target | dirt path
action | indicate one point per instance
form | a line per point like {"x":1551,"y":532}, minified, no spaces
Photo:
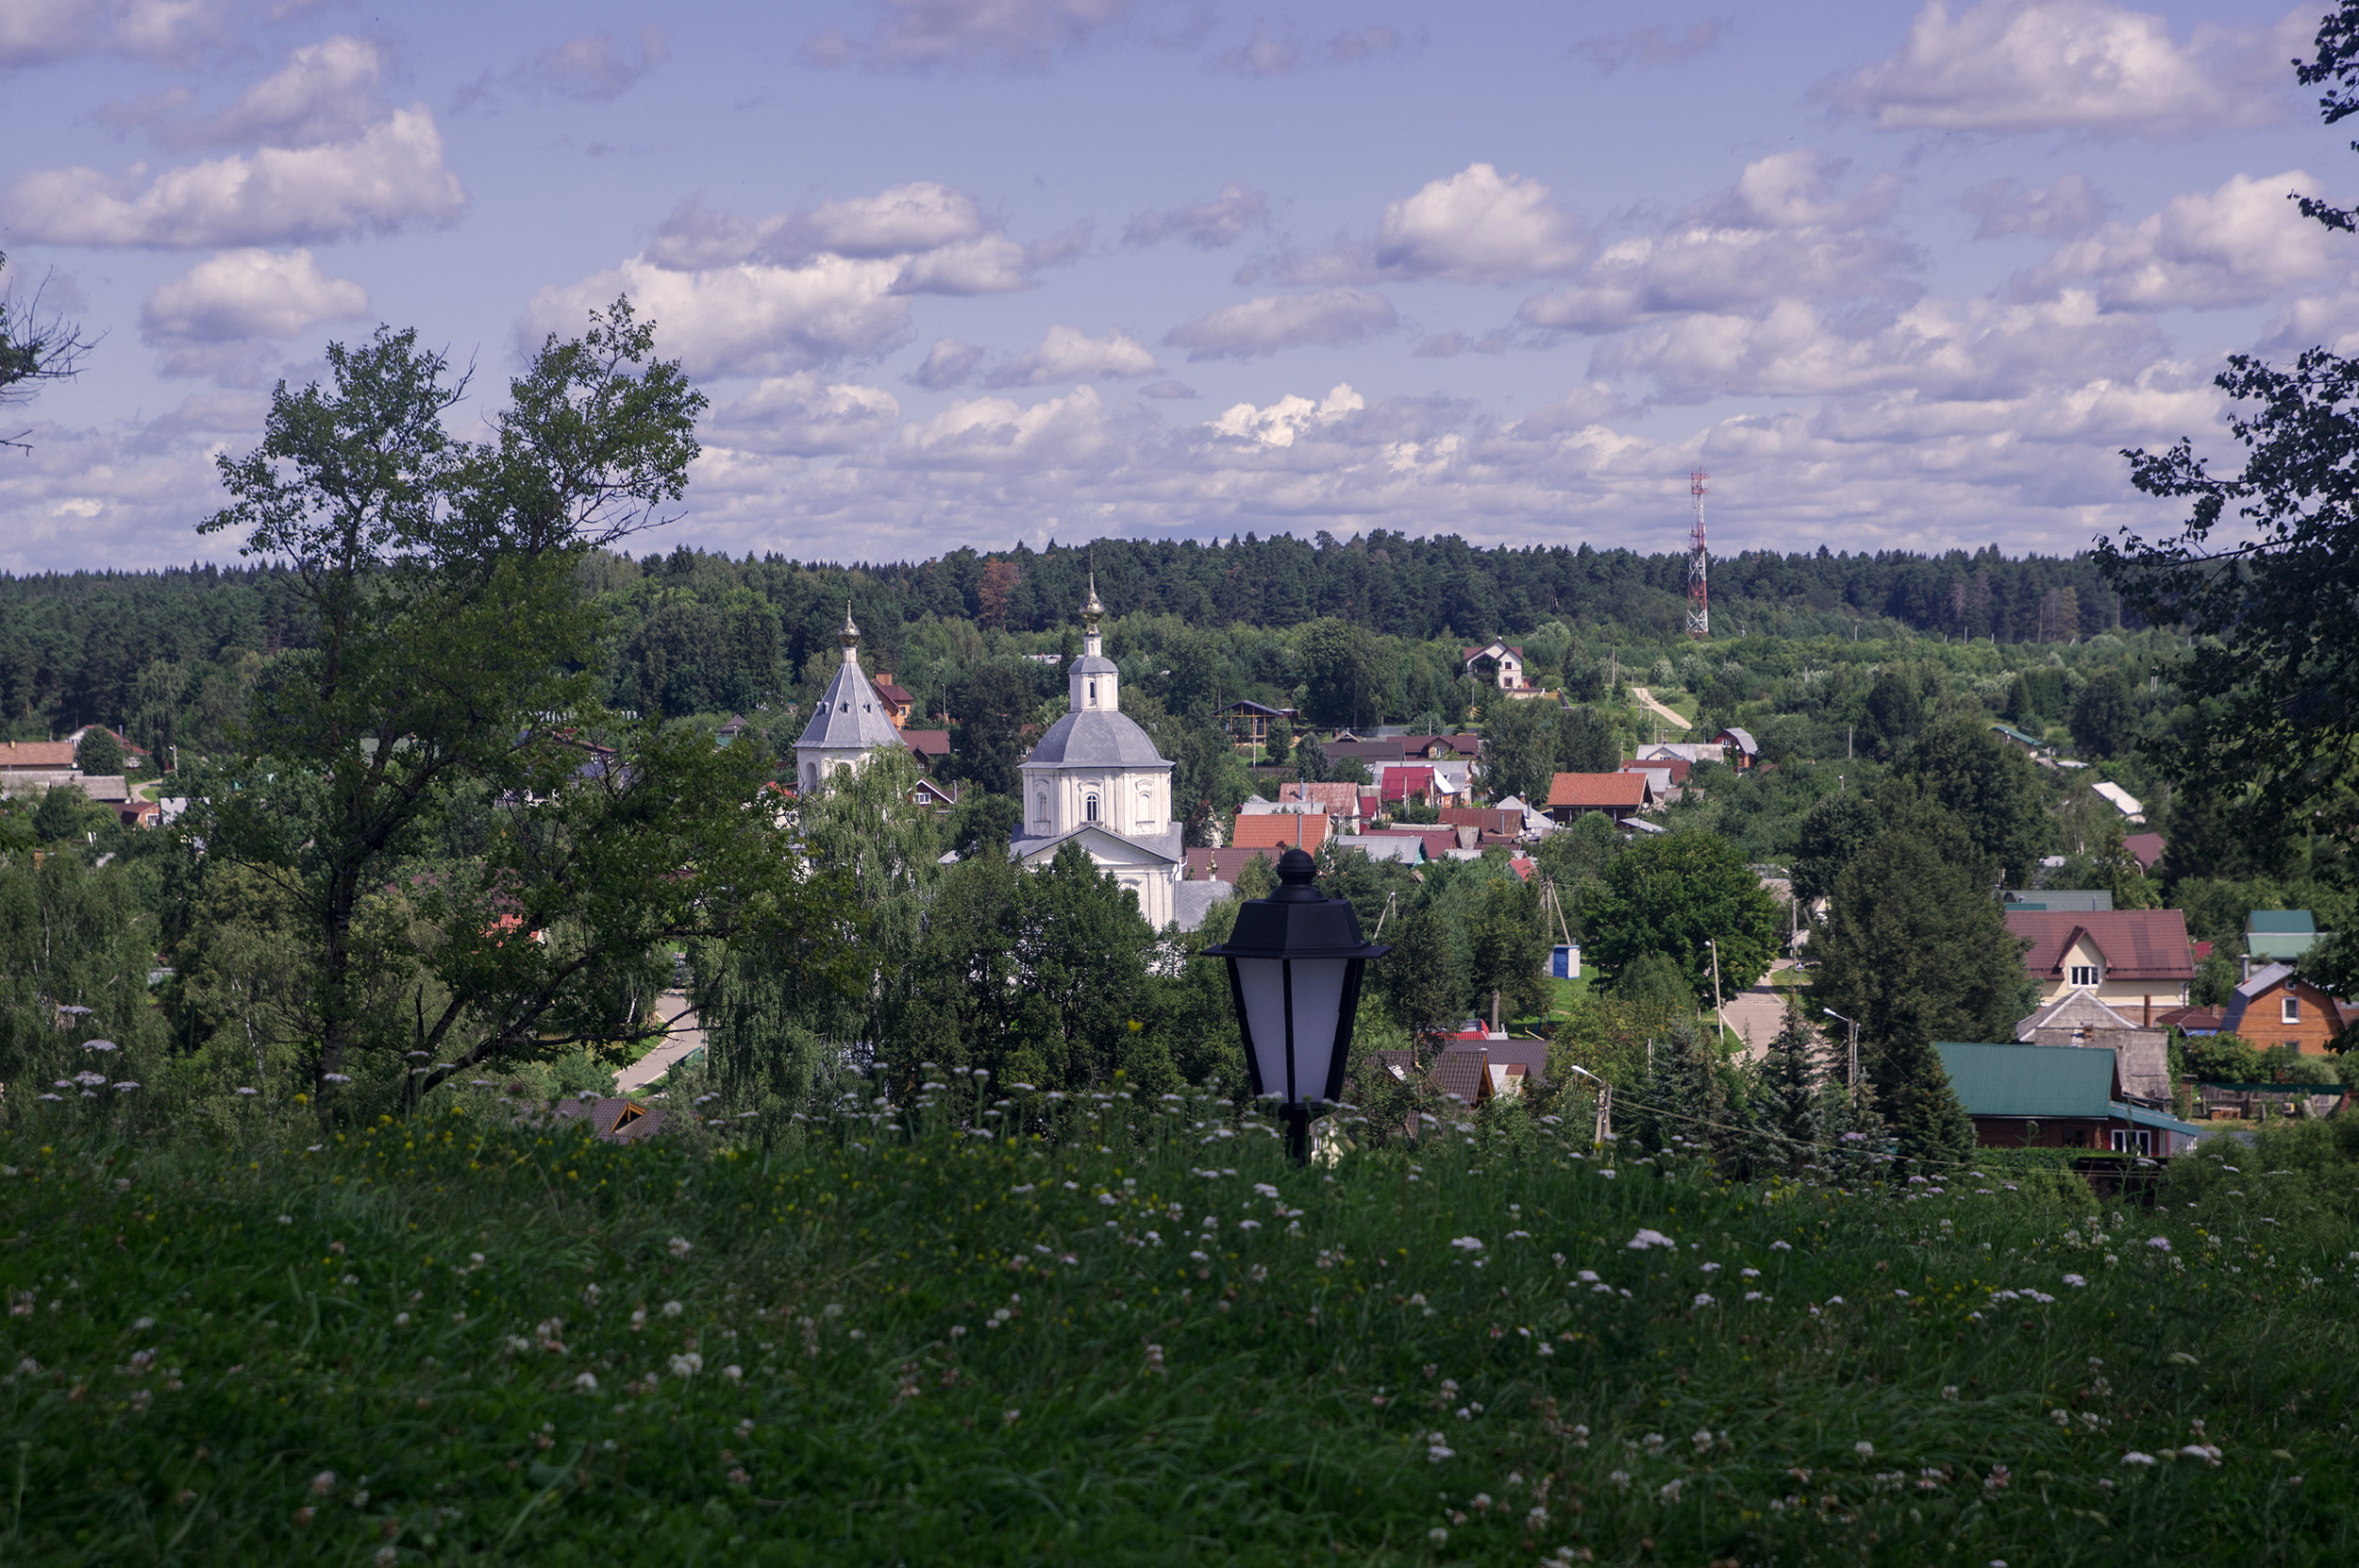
{"x":1646,"y":699}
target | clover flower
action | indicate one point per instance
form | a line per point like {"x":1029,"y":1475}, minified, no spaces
{"x":2160,"y":1243}
{"x":679,"y":1246}
{"x":1645,"y":1238}
{"x":1467,"y":1244}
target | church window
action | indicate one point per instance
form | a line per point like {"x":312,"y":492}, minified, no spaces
{"x":1093,"y":694}
{"x":1040,"y":807}
{"x":811,"y":776}
{"x":1089,"y":809}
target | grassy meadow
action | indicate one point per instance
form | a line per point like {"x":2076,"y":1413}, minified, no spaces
{"x":1137,"y":1333}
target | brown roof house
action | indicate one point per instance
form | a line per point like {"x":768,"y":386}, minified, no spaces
{"x":2276,"y":1007}
{"x":2137,"y":961}
{"x":1619,"y":796}
{"x":35,"y":757}
{"x":2141,"y":1054}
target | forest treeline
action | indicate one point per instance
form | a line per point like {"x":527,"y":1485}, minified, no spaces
{"x":167,"y":655}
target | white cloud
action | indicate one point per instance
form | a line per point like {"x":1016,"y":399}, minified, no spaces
{"x":1475,"y":226}
{"x":392,"y":175}
{"x":918,"y":34}
{"x":2238,"y":245}
{"x":998,"y":434}
{"x":939,"y":236}
{"x":800,"y":416}
{"x":2014,"y":66}
{"x":322,"y":94}
{"x":249,"y":293}
{"x":948,"y":363}
{"x":34,"y":32}
{"x":1068,"y":354}
{"x":1290,"y":416}
{"x":1264,"y":326}
{"x":1206,"y":225}
{"x":1936,"y":350}
{"x":751,"y":319}
{"x":2070,"y":207}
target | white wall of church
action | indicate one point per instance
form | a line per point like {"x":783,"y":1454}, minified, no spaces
{"x":1061,"y":802}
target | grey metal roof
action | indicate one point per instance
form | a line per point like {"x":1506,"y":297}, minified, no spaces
{"x":1095,"y":665}
{"x":851,"y":717}
{"x":1171,"y":843}
{"x":1192,"y":901}
{"x":1093,"y":739}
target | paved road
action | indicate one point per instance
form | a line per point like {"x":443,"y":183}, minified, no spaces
{"x":1756,"y":1014}
{"x":686,"y":1035}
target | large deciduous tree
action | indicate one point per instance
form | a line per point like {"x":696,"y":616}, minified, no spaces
{"x":1674,"y":895}
{"x":454,"y":659}
{"x":2263,"y":574}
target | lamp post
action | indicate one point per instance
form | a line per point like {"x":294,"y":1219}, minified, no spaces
{"x":1294,"y":963}
{"x":1851,"y":1082}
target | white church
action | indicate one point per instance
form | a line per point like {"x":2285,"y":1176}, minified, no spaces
{"x":1094,"y":779}
{"x":1097,"y":778}
{"x":849,"y":723}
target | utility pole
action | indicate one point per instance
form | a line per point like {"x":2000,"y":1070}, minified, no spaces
{"x":1715,"y":979}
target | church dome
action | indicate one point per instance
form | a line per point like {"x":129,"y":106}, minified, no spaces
{"x":1096,"y":739}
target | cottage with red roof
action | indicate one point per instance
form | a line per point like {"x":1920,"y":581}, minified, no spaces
{"x":1619,"y":796}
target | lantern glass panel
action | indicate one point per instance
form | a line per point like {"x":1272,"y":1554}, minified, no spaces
{"x":1318,"y":1000}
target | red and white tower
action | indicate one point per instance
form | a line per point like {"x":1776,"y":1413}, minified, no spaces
{"x":1699,"y":595}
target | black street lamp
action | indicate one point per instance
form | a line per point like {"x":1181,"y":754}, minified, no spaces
{"x":1294,"y":963}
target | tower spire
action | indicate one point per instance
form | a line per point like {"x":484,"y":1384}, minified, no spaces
{"x":1698,"y":599}
{"x":849,"y":636}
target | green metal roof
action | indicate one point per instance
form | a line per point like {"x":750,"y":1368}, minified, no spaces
{"x":2031,"y":1081}
{"x":2281,"y":946}
{"x":2139,"y":1116}
{"x":2286,"y":922}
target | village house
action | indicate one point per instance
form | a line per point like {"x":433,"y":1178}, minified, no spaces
{"x":1619,"y":796}
{"x":2056,"y":1097}
{"x":2279,"y":935}
{"x":2137,"y":961}
{"x":1248,"y":723}
{"x":1503,"y":664}
{"x":2275,"y":1006}
{"x":2141,"y":1054}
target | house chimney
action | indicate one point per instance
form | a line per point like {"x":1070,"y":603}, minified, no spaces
{"x":1494,"y":1012}
{"x":2150,"y":1014}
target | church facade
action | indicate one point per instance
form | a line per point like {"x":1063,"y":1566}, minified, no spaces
{"x":1096,"y":779}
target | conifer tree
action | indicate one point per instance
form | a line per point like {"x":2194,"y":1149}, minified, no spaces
{"x":1788,"y":1083}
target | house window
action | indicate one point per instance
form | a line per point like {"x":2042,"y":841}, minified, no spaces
{"x":2133,"y":1140}
{"x":2289,"y":1008}
{"x":2085,"y":974}
{"x":1089,"y":809}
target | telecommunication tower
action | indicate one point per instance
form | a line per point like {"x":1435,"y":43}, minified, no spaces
{"x":1699,"y":596}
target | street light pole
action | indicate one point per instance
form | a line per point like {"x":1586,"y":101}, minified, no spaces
{"x":1294,"y":961}
{"x":1852,"y":1082}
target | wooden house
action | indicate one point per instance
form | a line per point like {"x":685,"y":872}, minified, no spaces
{"x":2276,"y":1007}
{"x":2056,"y":1097}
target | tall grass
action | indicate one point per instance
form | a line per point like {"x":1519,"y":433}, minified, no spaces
{"x":1134,"y":1331}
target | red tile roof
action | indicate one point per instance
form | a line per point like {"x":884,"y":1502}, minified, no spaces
{"x":1403,"y":783}
{"x":2136,"y":944}
{"x":2148,"y":847}
{"x":1279,"y":830}
{"x":1487,"y":818}
{"x":1337,"y":800}
{"x":1598,"y":789}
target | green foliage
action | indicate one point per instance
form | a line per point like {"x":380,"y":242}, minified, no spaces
{"x":98,"y":753}
{"x":77,"y":936}
{"x":1672,"y":894}
{"x":1655,"y":981}
{"x":1422,"y":980}
{"x":1507,"y":948}
{"x":1832,"y":835}
{"x":1788,"y":1084}
{"x":2104,"y":717}
{"x":1933,"y":1134}
{"x":991,"y":707}
{"x":1991,"y":786}
{"x":67,"y":815}
{"x":1281,"y":743}
{"x":1915,"y":947}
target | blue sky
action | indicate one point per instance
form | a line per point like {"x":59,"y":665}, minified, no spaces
{"x":971,"y":272}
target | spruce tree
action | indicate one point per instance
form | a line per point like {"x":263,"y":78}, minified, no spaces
{"x":1935,"y":1135}
{"x":1788,"y":1083}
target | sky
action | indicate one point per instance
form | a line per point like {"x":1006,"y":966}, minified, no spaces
{"x":989,"y":272}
